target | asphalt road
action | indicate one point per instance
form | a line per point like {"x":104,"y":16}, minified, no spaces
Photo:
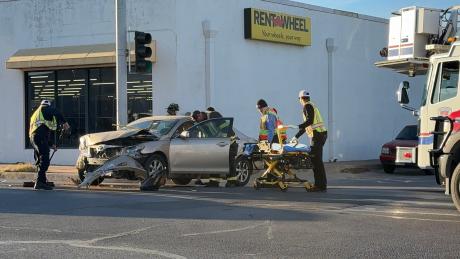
{"x":370,"y":215}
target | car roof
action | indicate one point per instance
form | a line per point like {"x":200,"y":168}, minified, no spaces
{"x":162,"y":118}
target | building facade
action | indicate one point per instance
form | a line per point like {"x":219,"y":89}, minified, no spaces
{"x":64,"y":51}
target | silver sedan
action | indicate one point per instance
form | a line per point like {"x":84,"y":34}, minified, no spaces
{"x":153,"y":149}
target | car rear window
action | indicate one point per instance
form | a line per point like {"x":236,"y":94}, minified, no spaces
{"x":408,"y":133}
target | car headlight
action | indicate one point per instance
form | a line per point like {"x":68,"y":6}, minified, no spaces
{"x":84,"y":150}
{"x":385,"y":150}
{"x":134,"y":151}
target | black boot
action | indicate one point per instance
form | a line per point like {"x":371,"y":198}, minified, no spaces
{"x":42,"y":186}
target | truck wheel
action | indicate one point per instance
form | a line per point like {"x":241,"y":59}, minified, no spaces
{"x":82,"y":175}
{"x":181,"y":181}
{"x":389,"y":169}
{"x":455,"y":187}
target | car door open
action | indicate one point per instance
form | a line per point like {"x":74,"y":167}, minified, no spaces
{"x":203,"y":149}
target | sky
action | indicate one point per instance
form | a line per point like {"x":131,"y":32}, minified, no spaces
{"x":379,"y":8}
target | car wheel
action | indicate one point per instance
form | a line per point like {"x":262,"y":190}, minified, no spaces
{"x":389,"y":169}
{"x":156,"y":168}
{"x":243,"y":169}
{"x":455,"y":187}
{"x":82,"y":175}
{"x":181,"y":181}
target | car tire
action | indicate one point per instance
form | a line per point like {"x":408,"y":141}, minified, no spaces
{"x":455,"y":187}
{"x":181,"y":181}
{"x":389,"y":169}
{"x":82,"y":176}
{"x":156,"y":167}
{"x":243,"y":171}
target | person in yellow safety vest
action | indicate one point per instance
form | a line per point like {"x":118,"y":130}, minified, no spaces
{"x":43,"y":122}
{"x":314,"y":126}
{"x":269,"y":122}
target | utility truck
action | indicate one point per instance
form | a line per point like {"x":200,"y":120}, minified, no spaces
{"x":425,"y":42}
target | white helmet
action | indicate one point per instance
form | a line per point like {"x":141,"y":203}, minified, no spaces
{"x":304,"y":93}
{"x":46,"y":103}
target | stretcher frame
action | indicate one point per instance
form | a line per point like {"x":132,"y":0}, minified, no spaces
{"x":279,"y":165}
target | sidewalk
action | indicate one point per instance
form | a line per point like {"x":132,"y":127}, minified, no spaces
{"x":59,"y":173}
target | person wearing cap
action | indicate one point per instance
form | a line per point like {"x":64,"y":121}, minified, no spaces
{"x":212,"y":113}
{"x":314,"y":126}
{"x":269,"y":121}
{"x":43,"y":122}
{"x":172,"y":109}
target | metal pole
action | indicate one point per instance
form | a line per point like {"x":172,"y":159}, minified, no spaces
{"x":330,"y":100}
{"x":121,"y":71}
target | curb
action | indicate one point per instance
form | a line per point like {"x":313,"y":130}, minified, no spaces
{"x":31,"y":176}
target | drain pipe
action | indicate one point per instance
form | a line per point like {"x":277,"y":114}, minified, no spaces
{"x":209,"y":36}
{"x":330,"y":99}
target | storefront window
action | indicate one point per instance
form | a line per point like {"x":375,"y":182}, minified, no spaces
{"x":71,"y":100}
{"x":86,"y":98}
{"x":139,"y":96}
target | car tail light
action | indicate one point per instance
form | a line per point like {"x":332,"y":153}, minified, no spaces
{"x":407,"y":155}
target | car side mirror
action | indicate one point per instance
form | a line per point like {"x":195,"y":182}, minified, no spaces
{"x":184,"y":134}
{"x":403,"y":97}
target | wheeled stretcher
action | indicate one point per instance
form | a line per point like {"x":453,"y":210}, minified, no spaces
{"x":279,"y":161}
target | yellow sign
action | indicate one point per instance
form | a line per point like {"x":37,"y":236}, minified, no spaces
{"x":277,"y":27}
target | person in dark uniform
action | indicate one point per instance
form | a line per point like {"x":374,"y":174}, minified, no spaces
{"x":172,"y":109}
{"x":314,"y":126}
{"x":43,"y":123}
{"x":212,"y":113}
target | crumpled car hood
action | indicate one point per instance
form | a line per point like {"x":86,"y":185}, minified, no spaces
{"x":96,"y":138}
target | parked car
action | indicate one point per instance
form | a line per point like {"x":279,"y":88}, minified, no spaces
{"x":408,"y":138}
{"x":171,"y":146}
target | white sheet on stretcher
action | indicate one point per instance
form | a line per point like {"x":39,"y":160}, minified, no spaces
{"x":291,"y":147}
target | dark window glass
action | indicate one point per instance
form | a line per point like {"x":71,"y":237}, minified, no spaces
{"x":86,"y":98}
{"x":139,"y":96}
{"x":216,"y":128}
{"x":39,"y":86}
{"x":102,"y":102}
{"x":408,"y":133}
{"x":71,"y":102}
{"x":446,"y":82}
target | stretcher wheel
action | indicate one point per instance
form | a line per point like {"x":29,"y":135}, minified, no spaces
{"x":256,"y":185}
{"x":308,"y":185}
{"x":283,"y":186}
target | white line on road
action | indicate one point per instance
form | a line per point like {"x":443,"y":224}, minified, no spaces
{"x":270,"y":231}
{"x":227,"y":230}
{"x":88,"y":244}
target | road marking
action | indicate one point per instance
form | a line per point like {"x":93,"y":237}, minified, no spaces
{"x":84,"y":244}
{"x":88,"y":244}
{"x":270,"y":231}
{"x":226,"y":230}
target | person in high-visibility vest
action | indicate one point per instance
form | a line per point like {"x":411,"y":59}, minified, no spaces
{"x":314,"y":126}
{"x":269,"y":121}
{"x":43,"y":122}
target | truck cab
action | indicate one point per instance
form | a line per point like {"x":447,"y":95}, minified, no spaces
{"x":425,"y":41}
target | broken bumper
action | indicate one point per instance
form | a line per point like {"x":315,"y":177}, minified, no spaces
{"x":119,"y":163}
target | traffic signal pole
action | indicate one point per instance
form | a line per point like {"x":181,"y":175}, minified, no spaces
{"x":121,"y":70}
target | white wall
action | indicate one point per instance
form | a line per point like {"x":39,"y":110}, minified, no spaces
{"x":365,"y":112}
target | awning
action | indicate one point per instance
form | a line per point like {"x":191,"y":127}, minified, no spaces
{"x":70,"y":56}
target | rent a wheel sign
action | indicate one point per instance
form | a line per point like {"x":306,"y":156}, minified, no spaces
{"x":277,"y":27}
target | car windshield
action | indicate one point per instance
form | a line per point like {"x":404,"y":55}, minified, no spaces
{"x":408,"y":133}
{"x":157,"y":127}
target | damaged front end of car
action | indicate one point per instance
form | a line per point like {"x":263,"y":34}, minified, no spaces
{"x":129,"y":165}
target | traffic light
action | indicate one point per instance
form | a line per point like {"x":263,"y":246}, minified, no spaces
{"x":142,"y":51}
